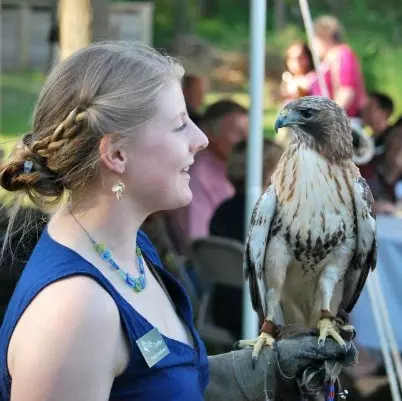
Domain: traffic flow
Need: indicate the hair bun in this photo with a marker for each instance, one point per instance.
(14, 175)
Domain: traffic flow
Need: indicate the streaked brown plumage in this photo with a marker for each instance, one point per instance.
(311, 240)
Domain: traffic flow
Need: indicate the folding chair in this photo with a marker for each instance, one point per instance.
(216, 260)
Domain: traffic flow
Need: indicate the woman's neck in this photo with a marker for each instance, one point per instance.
(108, 221)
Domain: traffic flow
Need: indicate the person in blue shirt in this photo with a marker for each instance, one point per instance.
(94, 315)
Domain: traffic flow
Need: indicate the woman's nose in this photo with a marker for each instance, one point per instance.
(199, 140)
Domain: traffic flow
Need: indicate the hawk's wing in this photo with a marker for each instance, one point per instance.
(256, 245)
(365, 256)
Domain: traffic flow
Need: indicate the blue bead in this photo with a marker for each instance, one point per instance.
(130, 280)
(137, 284)
(106, 255)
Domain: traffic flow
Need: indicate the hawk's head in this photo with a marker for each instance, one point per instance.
(319, 123)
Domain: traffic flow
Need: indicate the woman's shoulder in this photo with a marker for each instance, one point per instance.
(75, 322)
(75, 298)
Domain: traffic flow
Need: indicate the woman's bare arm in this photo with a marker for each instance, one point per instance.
(67, 344)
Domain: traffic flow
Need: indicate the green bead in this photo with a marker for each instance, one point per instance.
(100, 248)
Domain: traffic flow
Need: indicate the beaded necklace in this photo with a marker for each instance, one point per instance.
(136, 283)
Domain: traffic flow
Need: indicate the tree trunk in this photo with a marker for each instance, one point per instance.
(75, 26)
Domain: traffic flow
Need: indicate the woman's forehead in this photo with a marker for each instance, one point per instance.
(170, 102)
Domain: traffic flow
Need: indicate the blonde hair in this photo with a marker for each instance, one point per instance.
(105, 88)
(328, 28)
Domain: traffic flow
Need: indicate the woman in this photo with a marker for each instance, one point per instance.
(340, 65)
(94, 315)
(297, 80)
(299, 74)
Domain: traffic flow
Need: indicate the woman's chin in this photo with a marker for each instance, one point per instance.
(186, 196)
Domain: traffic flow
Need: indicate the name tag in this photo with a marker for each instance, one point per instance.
(153, 347)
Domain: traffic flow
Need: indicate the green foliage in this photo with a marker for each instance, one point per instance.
(18, 93)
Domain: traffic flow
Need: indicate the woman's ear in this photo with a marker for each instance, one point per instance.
(112, 155)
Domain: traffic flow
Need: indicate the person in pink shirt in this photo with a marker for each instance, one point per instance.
(340, 65)
(225, 123)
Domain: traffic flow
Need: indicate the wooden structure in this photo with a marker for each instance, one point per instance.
(29, 29)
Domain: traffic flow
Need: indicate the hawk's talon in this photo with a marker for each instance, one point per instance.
(264, 339)
(327, 328)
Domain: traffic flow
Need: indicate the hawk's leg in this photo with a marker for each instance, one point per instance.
(266, 338)
(327, 325)
(268, 330)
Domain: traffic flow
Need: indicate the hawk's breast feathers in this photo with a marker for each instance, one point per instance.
(315, 213)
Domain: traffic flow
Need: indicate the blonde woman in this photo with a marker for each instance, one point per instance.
(341, 67)
(95, 316)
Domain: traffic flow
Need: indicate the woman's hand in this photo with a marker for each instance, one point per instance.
(295, 362)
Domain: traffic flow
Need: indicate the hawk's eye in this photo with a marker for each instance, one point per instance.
(307, 113)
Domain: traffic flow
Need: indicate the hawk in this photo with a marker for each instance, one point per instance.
(312, 237)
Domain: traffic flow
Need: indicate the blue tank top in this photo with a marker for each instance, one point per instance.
(181, 375)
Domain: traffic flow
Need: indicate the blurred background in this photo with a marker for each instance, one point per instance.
(212, 39)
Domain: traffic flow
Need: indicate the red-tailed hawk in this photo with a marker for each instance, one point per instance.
(312, 236)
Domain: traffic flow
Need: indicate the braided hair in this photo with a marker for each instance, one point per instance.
(107, 88)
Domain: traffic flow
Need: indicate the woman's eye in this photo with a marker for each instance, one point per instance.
(181, 128)
(306, 113)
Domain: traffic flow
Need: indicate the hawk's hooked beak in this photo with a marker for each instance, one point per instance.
(287, 118)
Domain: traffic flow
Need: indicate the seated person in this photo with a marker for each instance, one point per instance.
(154, 227)
(229, 221)
(388, 173)
(225, 123)
(376, 114)
(385, 171)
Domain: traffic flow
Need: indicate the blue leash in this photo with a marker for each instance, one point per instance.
(330, 391)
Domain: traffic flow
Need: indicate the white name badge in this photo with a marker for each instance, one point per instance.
(152, 347)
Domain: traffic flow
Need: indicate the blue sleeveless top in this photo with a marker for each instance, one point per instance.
(181, 375)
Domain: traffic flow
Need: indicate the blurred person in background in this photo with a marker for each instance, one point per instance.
(225, 123)
(229, 221)
(299, 74)
(340, 66)
(384, 173)
(376, 115)
(390, 170)
(297, 80)
(194, 88)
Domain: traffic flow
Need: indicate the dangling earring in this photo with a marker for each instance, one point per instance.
(119, 189)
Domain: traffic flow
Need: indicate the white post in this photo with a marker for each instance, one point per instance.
(308, 24)
(255, 140)
(389, 367)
